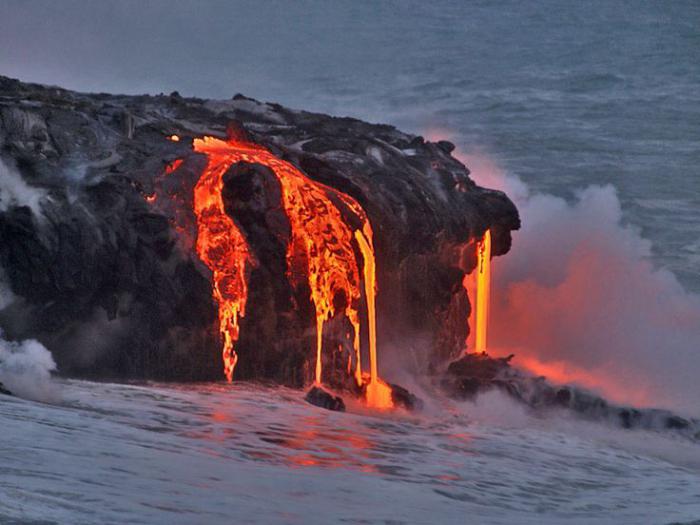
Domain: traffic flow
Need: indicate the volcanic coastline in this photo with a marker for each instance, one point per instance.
(100, 224)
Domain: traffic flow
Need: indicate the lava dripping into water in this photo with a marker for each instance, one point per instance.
(320, 252)
(482, 290)
(221, 246)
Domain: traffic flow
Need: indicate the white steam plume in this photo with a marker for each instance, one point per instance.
(14, 191)
(25, 369)
(578, 300)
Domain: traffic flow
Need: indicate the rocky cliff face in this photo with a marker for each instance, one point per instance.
(111, 283)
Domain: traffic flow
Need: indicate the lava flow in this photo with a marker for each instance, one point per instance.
(482, 290)
(221, 246)
(320, 252)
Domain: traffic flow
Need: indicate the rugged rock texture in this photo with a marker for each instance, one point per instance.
(474, 374)
(111, 285)
(319, 397)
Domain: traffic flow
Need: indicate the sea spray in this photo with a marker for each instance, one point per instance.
(25, 369)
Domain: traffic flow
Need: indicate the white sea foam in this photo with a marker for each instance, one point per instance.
(244, 454)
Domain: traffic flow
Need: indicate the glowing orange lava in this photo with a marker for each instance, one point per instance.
(221, 245)
(378, 392)
(480, 290)
(483, 290)
(320, 253)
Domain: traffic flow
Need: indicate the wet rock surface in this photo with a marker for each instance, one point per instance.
(404, 399)
(476, 373)
(319, 397)
(99, 249)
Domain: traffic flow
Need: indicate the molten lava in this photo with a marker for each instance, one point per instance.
(478, 286)
(483, 290)
(321, 252)
(378, 392)
(221, 245)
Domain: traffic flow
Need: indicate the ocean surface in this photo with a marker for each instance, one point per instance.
(245, 454)
(562, 97)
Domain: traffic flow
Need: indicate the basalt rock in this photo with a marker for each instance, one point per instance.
(97, 237)
(319, 397)
(405, 399)
(474, 374)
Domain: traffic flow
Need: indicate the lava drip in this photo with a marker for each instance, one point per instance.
(221, 245)
(482, 290)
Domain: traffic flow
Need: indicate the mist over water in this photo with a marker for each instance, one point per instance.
(25, 370)
(579, 300)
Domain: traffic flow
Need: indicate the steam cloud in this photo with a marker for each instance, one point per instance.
(25, 369)
(25, 366)
(14, 191)
(578, 299)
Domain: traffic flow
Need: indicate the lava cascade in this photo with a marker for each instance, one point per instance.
(320, 251)
(481, 289)
(221, 246)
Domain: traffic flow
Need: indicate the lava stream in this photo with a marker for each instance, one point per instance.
(483, 290)
(320, 252)
(378, 392)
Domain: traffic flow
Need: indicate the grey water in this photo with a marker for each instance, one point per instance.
(201, 454)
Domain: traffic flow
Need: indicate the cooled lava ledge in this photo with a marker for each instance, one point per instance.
(476, 373)
(100, 250)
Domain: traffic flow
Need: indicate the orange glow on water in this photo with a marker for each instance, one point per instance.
(221, 245)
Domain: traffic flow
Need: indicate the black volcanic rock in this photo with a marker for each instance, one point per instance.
(404, 399)
(319, 397)
(476, 373)
(112, 285)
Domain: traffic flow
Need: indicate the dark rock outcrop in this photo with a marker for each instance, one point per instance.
(404, 399)
(111, 284)
(319, 397)
(474, 374)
